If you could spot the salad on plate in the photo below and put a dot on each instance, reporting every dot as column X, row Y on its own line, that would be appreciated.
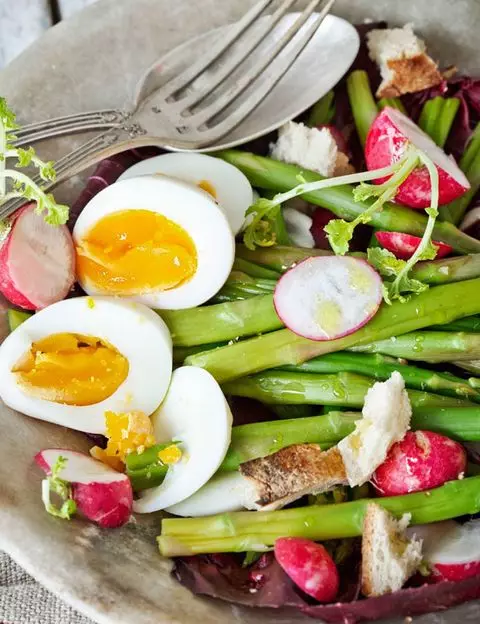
column 276, row 346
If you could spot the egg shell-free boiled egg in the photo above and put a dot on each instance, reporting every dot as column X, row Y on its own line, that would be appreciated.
column 135, row 331
column 156, row 240
column 196, row 413
column 228, row 185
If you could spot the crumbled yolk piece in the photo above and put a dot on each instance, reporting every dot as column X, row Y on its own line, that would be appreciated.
column 129, row 432
column 170, row 455
column 136, row 252
column 207, row 186
column 72, row 369
column 101, row 454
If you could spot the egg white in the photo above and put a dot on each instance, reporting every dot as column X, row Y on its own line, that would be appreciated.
column 196, row 413
column 189, row 207
column 137, row 332
column 232, row 188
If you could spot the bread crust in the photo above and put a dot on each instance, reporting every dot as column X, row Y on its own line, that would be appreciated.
column 410, row 74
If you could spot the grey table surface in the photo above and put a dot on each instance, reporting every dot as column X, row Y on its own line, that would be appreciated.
column 22, row 599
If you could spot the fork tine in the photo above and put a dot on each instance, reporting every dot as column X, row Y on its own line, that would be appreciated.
column 227, row 98
column 186, row 77
column 242, row 111
column 234, row 60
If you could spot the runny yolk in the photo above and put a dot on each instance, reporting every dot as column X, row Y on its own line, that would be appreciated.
column 135, row 252
column 207, row 186
column 71, row 369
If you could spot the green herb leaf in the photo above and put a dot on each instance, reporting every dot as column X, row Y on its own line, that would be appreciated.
column 62, row 488
column 339, row 233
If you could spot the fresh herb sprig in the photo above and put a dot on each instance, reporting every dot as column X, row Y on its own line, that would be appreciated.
column 54, row 483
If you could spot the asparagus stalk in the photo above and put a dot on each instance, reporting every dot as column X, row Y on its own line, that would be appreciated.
column 428, row 346
column 472, row 366
column 181, row 353
column 437, row 117
column 293, row 411
column 323, row 111
column 16, row 318
column 243, row 264
column 470, row 324
column 247, row 530
column 272, row 174
column 381, row 367
column 242, row 286
column 343, row 389
column 459, row 423
column 392, row 103
column 470, row 165
column 222, row 321
column 362, row 102
column 430, row 115
column 438, row 305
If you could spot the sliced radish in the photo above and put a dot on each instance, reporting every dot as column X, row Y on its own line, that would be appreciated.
column 37, row 261
column 320, row 218
column 102, row 494
column 326, row 297
column 451, row 549
column 388, row 138
column 309, row 566
column 299, row 227
column 421, row 461
column 403, row 246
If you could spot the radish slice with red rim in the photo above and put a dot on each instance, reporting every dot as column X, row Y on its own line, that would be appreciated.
column 326, row 297
column 389, row 137
column 403, row 246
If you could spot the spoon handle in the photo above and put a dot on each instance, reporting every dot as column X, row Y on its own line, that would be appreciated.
column 69, row 124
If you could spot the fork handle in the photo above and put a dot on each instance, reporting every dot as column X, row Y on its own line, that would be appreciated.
column 70, row 124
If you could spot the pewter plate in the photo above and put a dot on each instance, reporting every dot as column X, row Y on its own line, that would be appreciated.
column 93, row 61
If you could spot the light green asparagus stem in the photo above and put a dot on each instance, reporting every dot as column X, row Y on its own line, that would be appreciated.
column 362, row 102
column 470, row 324
column 181, row 353
column 323, row 111
column 470, row 165
column 243, row 264
column 278, row 258
column 16, row 318
column 381, row 367
column 392, row 103
column 446, row 119
column 430, row 115
column 247, row 530
column 438, row 305
column 472, row 366
column 343, row 389
column 242, row 286
column 459, row 423
column 265, row 172
column 221, row 322
column 427, row 346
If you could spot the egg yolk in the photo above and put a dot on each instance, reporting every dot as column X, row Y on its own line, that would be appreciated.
column 135, row 252
column 207, row 186
column 129, row 432
column 71, row 369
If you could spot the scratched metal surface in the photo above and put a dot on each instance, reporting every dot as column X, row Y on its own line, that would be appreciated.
column 117, row 577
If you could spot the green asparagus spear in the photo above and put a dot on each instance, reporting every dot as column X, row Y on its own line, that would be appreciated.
column 470, row 324
column 272, row 174
column 427, row 346
column 438, row 305
column 392, row 103
column 381, row 367
column 16, row 318
column 251, row 530
column 343, row 389
column 242, row 286
column 323, row 111
column 362, row 102
column 472, row 366
column 181, row 353
column 437, row 117
column 221, row 322
column 243, row 264
column 278, row 258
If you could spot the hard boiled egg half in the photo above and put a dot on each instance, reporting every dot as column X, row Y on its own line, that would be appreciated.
column 156, row 240
column 194, row 412
column 227, row 184
column 79, row 358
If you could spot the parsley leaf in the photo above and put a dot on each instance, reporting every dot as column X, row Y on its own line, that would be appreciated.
column 62, row 488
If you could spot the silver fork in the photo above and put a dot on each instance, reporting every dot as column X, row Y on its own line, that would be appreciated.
column 173, row 116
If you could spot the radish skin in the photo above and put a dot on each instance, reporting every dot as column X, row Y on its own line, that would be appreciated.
column 327, row 297
column 320, row 218
column 101, row 494
column 309, row 566
column 421, row 461
column 403, row 246
column 37, row 261
column 389, row 137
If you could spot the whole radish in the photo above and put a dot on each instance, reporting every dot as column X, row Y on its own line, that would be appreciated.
column 451, row 549
column 403, row 246
column 101, row 494
column 389, row 137
column 421, row 461
column 37, row 261
column 309, row 566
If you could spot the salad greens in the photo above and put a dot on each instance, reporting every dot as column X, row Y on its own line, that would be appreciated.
column 54, row 483
column 17, row 184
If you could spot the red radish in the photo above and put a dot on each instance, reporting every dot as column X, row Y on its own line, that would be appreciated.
column 421, row 461
column 326, row 297
column 309, row 566
column 320, row 218
column 37, row 261
column 102, row 494
column 451, row 549
column 403, row 246
column 388, row 138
